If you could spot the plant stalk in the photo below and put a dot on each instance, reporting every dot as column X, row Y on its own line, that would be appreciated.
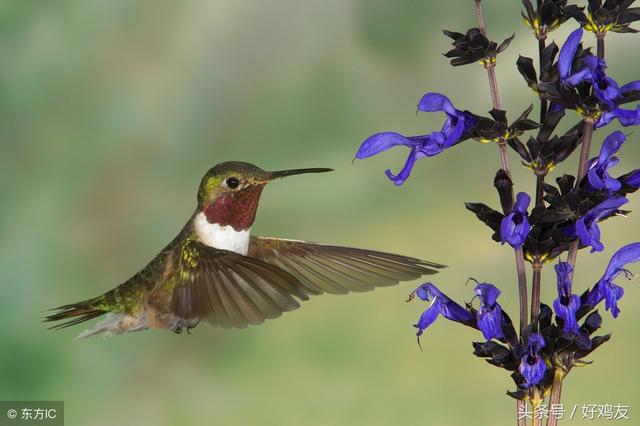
column 536, row 401
column 554, row 398
column 543, row 101
column 539, row 189
column 504, row 159
column 587, row 135
column 600, row 40
column 522, row 408
column 535, row 293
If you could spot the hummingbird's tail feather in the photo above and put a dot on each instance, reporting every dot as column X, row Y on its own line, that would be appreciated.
column 75, row 313
column 114, row 322
column 111, row 324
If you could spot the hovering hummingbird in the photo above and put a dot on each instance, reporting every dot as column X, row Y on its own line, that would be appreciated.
column 216, row 270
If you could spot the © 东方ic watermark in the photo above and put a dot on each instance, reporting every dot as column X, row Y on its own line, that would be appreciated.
column 576, row 412
column 15, row 413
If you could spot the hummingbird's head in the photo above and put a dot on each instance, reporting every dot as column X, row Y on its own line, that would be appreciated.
column 229, row 192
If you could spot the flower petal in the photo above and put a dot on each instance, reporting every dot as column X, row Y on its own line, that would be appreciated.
column 610, row 146
column 522, row 202
column 406, row 170
column 606, row 90
column 423, row 292
column 563, row 274
column 383, row 141
column 589, row 234
column 568, row 51
column 533, row 372
column 490, row 322
column 627, row 254
column 607, row 207
column 633, row 178
column 611, row 293
column 532, row 366
column 630, row 87
column 535, row 342
column 453, row 134
column 605, row 288
column 432, row 102
column 428, row 317
column 627, row 117
column 567, row 311
column 581, row 76
column 598, row 173
column 454, row 312
column 515, row 227
column 605, row 118
column 435, row 144
column 487, row 293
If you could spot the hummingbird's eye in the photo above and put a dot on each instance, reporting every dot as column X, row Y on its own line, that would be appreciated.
column 232, row 182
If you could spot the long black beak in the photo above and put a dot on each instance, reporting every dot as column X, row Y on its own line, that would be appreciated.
column 285, row 173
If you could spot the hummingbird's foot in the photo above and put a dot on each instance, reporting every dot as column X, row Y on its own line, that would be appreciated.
column 176, row 327
column 192, row 326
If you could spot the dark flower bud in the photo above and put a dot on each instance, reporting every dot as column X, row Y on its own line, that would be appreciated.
column 474, row 47
column 548, row 17
column 610, row 15
column 504, row 185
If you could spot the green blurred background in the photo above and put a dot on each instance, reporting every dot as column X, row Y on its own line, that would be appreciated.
column 112, row 111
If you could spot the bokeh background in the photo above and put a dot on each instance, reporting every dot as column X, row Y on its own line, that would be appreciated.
column 112, row 111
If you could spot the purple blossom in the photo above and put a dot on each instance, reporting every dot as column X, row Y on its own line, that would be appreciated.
column 586, row 228
column 455, row 125
column 440, row 305
column 606, row 89
column 489, row 316
column 598, row 174
column 606, row 289
column 515, row 226
column 567, row 304
column 532, row 365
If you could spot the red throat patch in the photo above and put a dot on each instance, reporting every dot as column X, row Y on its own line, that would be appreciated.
column 237, row 208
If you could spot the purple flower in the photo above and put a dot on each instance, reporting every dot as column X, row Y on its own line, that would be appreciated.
column 532, row 365
column 586, row 227
column 567, row 304
column 626, row 117
column 515, row 226
column 489, row 316
column 605, row 288
column 440, row 305
column 598, row 175
column 456, row 124
column 606, row 89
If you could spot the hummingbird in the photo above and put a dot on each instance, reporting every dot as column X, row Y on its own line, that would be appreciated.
column 216, row 270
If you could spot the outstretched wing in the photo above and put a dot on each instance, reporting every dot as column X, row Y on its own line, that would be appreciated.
column 332, row 269
column 229, row 289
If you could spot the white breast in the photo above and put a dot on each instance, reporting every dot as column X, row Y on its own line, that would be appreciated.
column 221, row 237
